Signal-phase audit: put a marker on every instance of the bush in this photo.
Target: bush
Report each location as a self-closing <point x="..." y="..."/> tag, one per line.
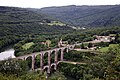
<point x="10" y="66"/>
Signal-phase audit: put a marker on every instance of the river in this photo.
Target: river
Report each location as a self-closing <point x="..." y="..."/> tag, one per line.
<point x="9" y="53"/>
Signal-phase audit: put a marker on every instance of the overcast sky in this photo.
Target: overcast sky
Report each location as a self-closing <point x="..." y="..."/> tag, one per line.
<point x="47" y="3"/>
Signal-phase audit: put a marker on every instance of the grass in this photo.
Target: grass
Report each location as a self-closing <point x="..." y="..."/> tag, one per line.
<point x="112" y="45"/>
<point x="105" y="49"/>
<point x="112" y="35"/>
<point x="85" y="45"/>
<point x="27" y="45"/>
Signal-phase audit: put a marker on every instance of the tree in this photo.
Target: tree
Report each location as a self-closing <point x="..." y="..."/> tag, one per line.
<point x="11" y="66"/>
<point x="57" y="76"/>
<point x="90" y="45"/>
<point x="117" y="38"/>
<point x="113" y="68"/>
<point x="82" y="46"/>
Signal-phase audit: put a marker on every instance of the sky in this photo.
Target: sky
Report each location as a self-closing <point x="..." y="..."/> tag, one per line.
<point x="48" y="3"/>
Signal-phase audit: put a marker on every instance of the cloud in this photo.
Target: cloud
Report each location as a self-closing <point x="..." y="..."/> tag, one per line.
<point x="46" y="3"/>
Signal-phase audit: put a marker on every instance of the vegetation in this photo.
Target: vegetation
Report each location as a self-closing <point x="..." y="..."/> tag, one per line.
<point x="30" y="76"/>
<point x="106" y="49"/>
<point x="27" y="45"/>
<point x="78" y="56"/>
<point x="18" y="23"/>
<point x="86" y="16"/>
<point x="18" y="70"/>
<point x="56" y="23"/>
<point x="101" y="67"/>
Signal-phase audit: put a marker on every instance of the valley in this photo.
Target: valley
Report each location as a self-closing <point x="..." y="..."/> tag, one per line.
<point x="60" y="43"/>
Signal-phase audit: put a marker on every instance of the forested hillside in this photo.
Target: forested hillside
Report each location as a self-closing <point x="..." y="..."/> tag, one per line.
<point x="86" y="16"/>
<point x="18" y="21"/>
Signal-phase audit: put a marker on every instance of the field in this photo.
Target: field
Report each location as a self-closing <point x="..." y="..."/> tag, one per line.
<point x="105" y="49"/>
<point x="27" y="45"/>
<point x="56" y="23"/>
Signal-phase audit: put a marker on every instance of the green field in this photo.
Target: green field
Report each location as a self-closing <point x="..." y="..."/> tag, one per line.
<point x="105" y="49"/>
<point x="112" y="34"/>
<point x="27" y="45"/>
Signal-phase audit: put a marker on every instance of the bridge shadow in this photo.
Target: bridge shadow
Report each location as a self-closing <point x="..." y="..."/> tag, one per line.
<point x="65" y="50"/>
<point x="53" y="68"/>
<point x="45" y="59"/>
<point x="52" y="57"/>
<point x="29" y="62"/>
<point x="46" y="70"/>
<point x="59" y="55"/>
<point x="37" y="61"/>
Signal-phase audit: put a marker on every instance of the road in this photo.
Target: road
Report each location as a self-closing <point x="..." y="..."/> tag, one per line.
<point x="70" y="62"/>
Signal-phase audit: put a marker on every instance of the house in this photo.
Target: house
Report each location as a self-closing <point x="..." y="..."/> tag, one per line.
<point x="102" y="39"/>
<point x="62" y="43"/>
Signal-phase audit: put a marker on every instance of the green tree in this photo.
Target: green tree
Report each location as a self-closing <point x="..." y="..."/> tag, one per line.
<point x="82" y="46"/>
<point x="11" y="66"/>
<point x="90" y="45"/>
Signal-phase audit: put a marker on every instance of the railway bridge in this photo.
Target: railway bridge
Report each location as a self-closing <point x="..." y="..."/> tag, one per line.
<point x="49" y="53"/>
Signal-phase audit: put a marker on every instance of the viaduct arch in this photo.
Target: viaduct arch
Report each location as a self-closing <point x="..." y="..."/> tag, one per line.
<point x="48" y="52"/>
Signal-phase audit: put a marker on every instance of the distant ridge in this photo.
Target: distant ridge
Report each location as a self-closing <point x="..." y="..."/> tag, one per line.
<point x="86" y="15"/>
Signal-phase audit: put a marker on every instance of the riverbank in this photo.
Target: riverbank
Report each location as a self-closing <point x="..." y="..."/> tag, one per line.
<point x="9" y="53"/>
<point x="6" y="48"/>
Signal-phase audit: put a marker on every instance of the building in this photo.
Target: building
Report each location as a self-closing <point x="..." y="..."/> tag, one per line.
<point x="102" y="39"/>
<point x="62" y="43"/>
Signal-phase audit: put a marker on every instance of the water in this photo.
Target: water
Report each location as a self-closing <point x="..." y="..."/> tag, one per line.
<point x="9" y="53"/>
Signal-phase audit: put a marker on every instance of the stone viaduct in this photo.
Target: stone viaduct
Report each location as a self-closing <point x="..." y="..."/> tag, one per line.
<point x="48" y="52"/>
